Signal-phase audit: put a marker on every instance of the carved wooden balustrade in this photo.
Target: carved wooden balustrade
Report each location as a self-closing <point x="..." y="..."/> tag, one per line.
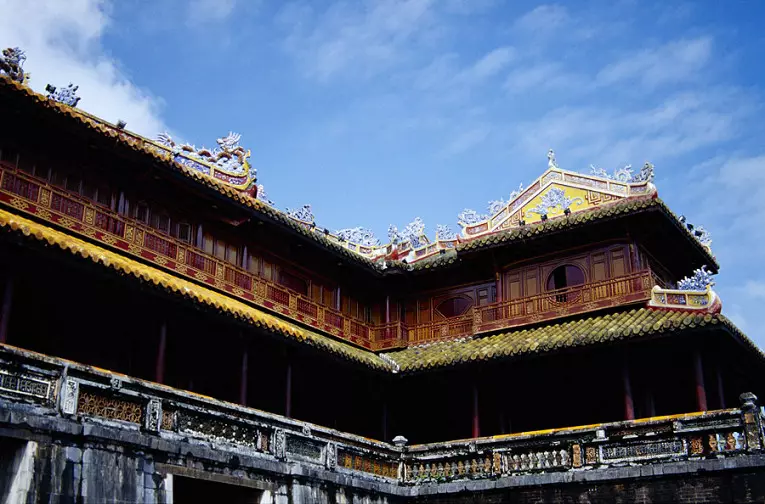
<point x="98" y="223"/>
<point x="50" y="388"/>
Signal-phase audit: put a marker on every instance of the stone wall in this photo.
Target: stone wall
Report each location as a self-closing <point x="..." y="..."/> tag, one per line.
<point x="70" y="433"/>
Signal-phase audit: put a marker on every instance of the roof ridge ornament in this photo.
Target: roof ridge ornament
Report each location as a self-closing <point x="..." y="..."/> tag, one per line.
<point x="445" y="233"/>
<point x="698" y="281"/>
<point x="66" y="95"/>
<point x="11" y="64"/>
<point x="303" y="213"/>
<point x="625" y="174"/>
<point x="551" y="162"/>
<point x="358" y="235"/>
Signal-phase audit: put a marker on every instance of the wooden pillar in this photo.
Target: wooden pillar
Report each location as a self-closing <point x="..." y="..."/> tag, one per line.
<point x="5" y="309"/>
<point x="629" y="405"/>
<point x="387" y="309"/>
<point x="288" y="392"/>
<point x="701" y="392"/>
<point x="385" y="419"/>
<point x="720" y="388"/>
<point x="500" y="296"/>
<point x="476" y="418"/>
<point x="244" y="377"/>
<point x="338" y="300"/>
<point x="159" y="370"/>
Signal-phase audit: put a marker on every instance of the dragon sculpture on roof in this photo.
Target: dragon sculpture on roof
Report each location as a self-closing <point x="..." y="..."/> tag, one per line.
<point x="229" y="156"/>
<point x="11" y="61"/>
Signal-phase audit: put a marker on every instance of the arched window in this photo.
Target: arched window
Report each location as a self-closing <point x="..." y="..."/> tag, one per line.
<point x="564" y="276"/>
<point x="453" y="307"/>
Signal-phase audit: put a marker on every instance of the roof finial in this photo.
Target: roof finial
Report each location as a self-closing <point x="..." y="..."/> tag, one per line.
<point x="551" y="163"/>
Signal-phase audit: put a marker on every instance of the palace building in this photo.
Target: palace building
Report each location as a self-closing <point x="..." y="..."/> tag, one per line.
<point x="167" y="334"/>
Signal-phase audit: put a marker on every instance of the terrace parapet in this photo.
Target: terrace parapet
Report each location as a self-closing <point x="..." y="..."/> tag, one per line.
<point x="87" y="396"/>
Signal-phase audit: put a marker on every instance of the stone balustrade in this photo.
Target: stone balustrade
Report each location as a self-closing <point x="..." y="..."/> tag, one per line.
<point x="86" y="395"/>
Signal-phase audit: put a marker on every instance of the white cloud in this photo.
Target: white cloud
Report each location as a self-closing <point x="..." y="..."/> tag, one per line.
<point x="62" y="43"/>
<point x="209" y="11"/>
<point x="542" y="20"/>
<point x="755" y="289"/>
<point x="671" y="63"/>
<point x="489" y="65"/>
<point x="467" y="140"/>
<point x="364" y="36"/>
<point x="543" y="75"/>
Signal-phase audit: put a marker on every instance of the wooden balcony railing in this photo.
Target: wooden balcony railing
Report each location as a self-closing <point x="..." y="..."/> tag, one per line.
<point x="96" y="222"/>
<point x="567" y="301"/>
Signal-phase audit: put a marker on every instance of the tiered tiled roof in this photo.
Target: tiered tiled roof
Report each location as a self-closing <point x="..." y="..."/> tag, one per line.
<point x="192" y="291"/>
<point x="597" y="329"/>
<point x="556" y="199"/>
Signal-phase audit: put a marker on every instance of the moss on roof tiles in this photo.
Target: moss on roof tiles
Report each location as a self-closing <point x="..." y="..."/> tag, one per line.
<point x="625" y="325"/>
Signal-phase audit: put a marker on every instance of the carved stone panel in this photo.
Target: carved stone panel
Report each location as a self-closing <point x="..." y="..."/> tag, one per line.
<point x="70" y="392"/>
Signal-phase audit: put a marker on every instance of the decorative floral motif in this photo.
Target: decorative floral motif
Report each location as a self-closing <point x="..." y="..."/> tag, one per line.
<point x="444" y="232"/>
<point x="66" y="95"/>
<point x="11" y="62"/>
<point x="699" y="281"/>
<point x="303" y="213"/>
<point x="554" y="199"/>
<point x="359" y="236"/>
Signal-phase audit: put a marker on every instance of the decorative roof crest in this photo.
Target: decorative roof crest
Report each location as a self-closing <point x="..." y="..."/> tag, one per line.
<point x="699" y="281"/>
<point x="303" y="213"/>
<point x="414" y="233"/>
<point x="625" y="174"/>
<point x="444" y="232"/>
<point x="229" y="156"/>
<point x="551" y="162"/>
<point x="701" y="234"/>
<point x="262" y="196"/>
<point x="359" y="236"/>
<point x="469" y="216"/>
<point x="11" y="62"/>
<point x="66" y="95"/>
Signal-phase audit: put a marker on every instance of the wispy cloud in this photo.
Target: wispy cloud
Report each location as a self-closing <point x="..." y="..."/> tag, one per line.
<point x="63" y="43"/>
<point x="542" y="20"/>
<point x="671" y="63"/>
<point x="363" y="36"/>
<point x="209" y="11"/>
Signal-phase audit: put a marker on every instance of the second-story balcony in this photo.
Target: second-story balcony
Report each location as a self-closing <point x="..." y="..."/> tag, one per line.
<point x="98" y="223"/>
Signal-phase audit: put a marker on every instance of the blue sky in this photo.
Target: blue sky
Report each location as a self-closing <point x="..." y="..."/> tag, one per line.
<point x="379" y="111"/>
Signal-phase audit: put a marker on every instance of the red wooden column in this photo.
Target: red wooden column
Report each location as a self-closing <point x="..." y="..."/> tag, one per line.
<point x="244" y="378"/>
<point x="5" y="309"/>
<point x="629" y="405"/>
<point x="500" y="296"/>
<point x="288" y="392"/>
<point x="159" y="369"/>
<point x="387" y="309"/>
<point x="701" y="392"/>
<point x="476" y="418"/>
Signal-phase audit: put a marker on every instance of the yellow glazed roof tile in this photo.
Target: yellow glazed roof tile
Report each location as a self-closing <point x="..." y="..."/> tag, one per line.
<point x="237" y="309"/>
